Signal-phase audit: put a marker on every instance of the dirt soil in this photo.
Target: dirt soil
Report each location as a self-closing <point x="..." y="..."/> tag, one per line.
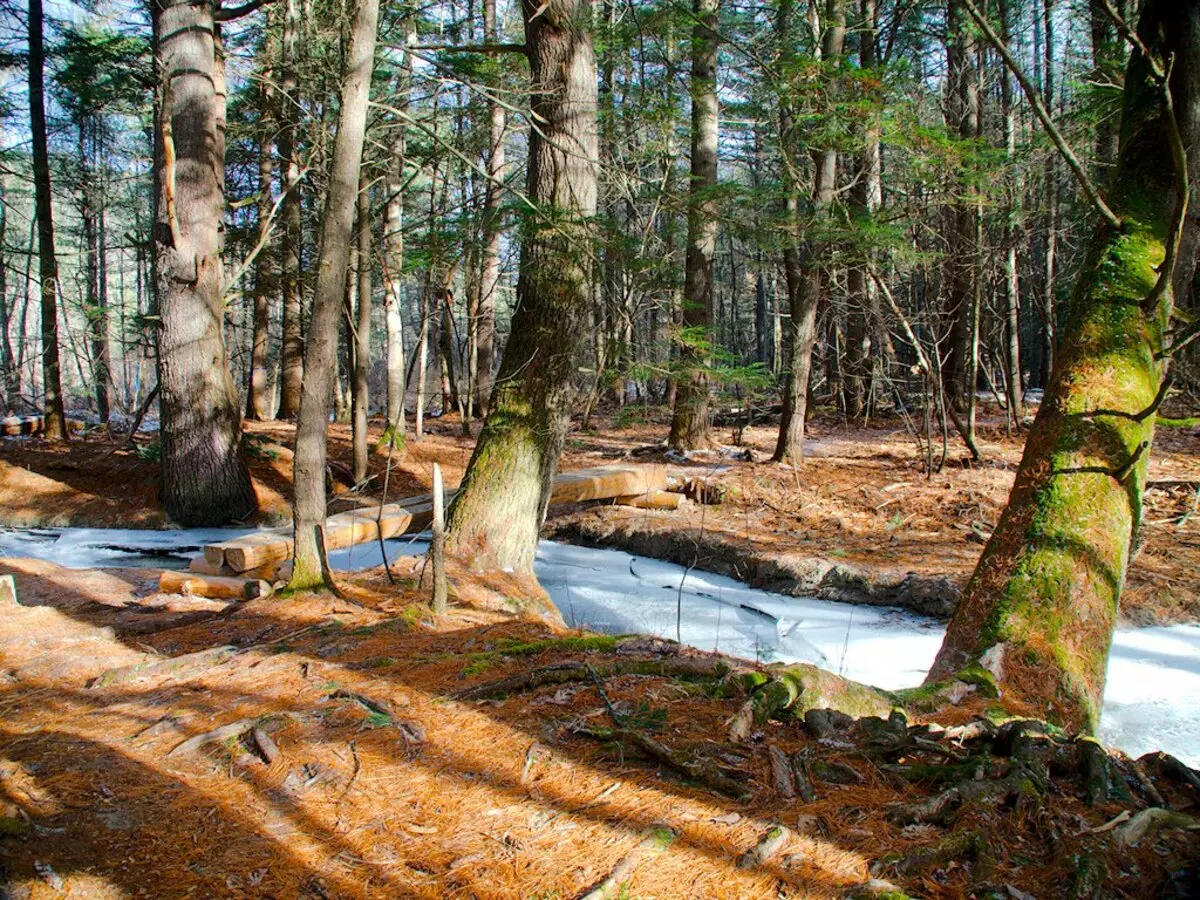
<point x="319" y="747"/>
<point x="859" y="521"/>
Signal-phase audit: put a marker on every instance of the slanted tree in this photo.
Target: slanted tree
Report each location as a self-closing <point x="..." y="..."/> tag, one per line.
<point x="337" y="229"/>
<point x="689" y="423"/>
<point x="204" y="479"/>
<point x="804" y="266"/>
<point x="56" y="418"/>
<point x="498" y="511"/>
<point x="1039" y="610"/>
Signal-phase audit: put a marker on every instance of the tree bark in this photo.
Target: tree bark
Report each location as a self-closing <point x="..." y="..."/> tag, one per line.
<point x="962" y="120"/>
<point x="689" y="424"/>
<point x="258" y="396"/>
<point x="1039" y="610"/>
<point x="866" y="196"/>
<point x="56" y="418"/>
<point x="204" y="480"/>
<point x="489" y="287"/>
<point x="360" y="402"/>
<point x="502" y="503"/>
<point x="393" y="256"/>
<point x="803" y="266"/>
<point x="1012" y="281"/>
<point x="291" y="374"/>
<point x="319" y="357"/>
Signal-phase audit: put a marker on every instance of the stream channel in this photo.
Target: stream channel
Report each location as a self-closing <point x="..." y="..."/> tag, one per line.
<point x="1152" y="701"/>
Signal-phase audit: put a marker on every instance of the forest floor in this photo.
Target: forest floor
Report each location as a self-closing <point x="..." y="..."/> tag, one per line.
<point x="853" y="523"/>
<point x="162" y="746"/>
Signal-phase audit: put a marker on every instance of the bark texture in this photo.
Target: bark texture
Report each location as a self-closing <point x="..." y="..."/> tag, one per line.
<point x="803" y="265"/>
<point x="56" y="419"/>
<point x="292" y="359"/>
<point x="1039" y="611"/>
<point x="502" y="503"/>
<point x="258" y="397"/>
<point x="320" y="355"/>
<point x="204" y="480"/>
<point x="689" y="424"/>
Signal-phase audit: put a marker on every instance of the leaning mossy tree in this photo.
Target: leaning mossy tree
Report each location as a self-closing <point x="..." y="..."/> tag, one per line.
<point x="1039" y="610"/>
<point x="500" y="508"/>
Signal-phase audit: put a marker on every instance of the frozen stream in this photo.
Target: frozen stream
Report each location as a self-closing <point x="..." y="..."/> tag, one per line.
<point x="1152" y="701"/>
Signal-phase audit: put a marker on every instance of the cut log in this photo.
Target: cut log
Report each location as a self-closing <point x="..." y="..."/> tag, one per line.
<point x="15" y="426"/>
<point x="200" y="565"/>
<point x="605" y="482"/>
<point x="213" y="586"/>
<point x="655" y="500"/>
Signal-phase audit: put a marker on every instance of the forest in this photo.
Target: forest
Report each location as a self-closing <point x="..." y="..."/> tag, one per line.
<point x="662" y="448"/>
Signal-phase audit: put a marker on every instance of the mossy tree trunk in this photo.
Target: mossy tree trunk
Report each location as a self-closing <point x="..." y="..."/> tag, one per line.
<point x="500" y="508"/>
<point x="1039" y="611"/>
<point x="689" y="423"/>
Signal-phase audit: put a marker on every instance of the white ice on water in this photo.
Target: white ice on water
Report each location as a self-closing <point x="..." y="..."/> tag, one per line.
<point x="1152" y="701"/>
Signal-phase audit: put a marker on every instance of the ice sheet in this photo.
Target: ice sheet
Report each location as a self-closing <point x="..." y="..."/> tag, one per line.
<point x="1152" y="700"/>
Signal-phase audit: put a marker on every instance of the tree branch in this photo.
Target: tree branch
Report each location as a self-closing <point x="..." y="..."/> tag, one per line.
<point x="228" y="15"/>
<point x="1039" y="110"/>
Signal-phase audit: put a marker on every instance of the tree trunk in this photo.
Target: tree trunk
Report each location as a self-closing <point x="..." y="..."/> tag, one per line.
<point x="962" y="120"/>
<point x="393" y="257"/>
<point x="689" y="424"/>
<point x="56" y="418"/>
<point x="485" y="327"/>
<point x="291" y="374"/>
<point x="10" y="373"/>
<point x="1039" y="611"/>
<point x="360" y="402"/>
<point x="258" y="396"/>
<point x="204" y="480"/>
<point x="866" y="196"/>
<point x="803" y="265"/>
<point x="319" y="356"/>
<point x="502" y="503"/>
<point x="1012" y="281"/>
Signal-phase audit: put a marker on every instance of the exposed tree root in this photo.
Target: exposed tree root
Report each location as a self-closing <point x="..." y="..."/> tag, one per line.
<point x="174" y="666"/>
<point x="687" y="668"/>
<point x="704" y="771"/>
<point x="765" y="849"/>
<point x="1150" y="822"/>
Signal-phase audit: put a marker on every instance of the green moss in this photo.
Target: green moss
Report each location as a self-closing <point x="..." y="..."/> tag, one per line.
<point x="1193" y="422"/>
<point x="591" y="643"/>
<point x="378" y="662"/>
<point x="13" y="827"/>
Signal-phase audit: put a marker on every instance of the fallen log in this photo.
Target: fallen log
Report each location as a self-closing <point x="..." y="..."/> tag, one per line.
<point x="414" y="514"/>
<point x="216" y="587"/>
